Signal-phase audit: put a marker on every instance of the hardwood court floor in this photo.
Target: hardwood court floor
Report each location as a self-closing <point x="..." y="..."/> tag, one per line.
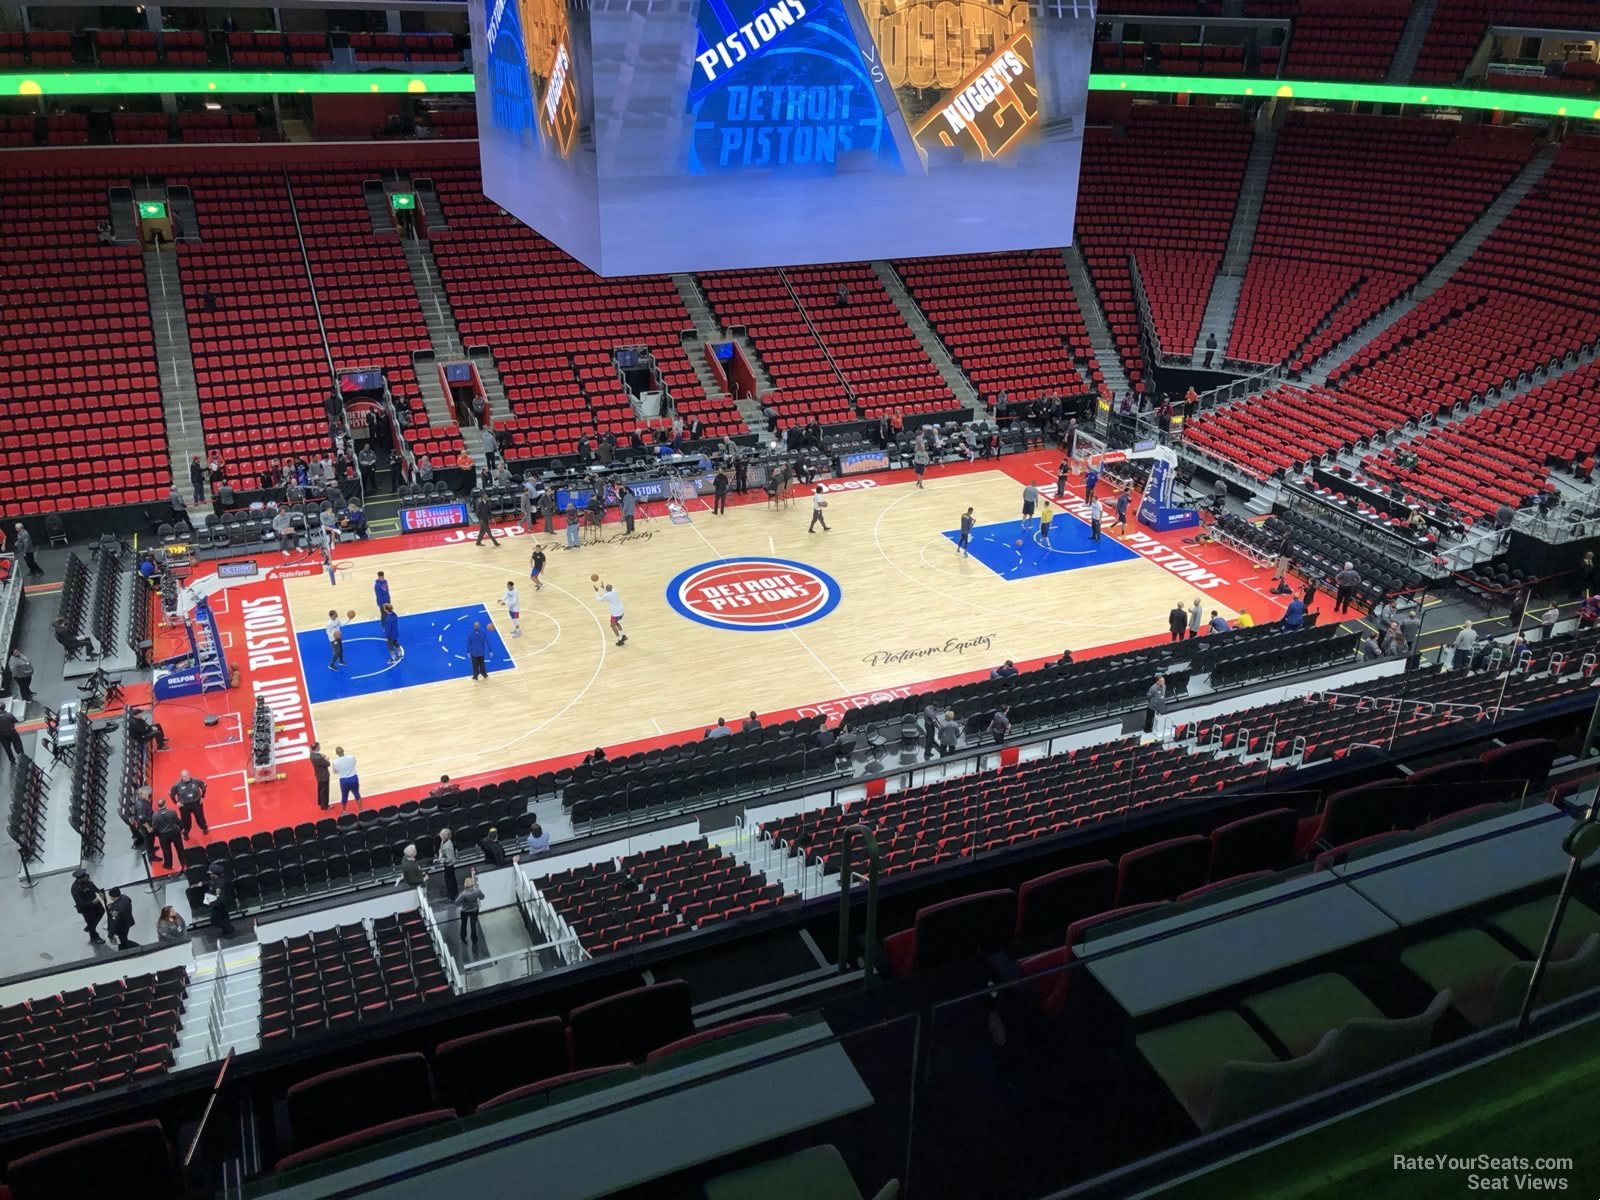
<point x="909" y="610"/>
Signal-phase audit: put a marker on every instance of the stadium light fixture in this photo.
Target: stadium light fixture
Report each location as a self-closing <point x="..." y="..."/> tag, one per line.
<point x="220" y="83"/>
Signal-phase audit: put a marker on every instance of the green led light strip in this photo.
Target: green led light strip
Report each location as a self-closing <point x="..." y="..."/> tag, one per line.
<point x="1583" y="107"/>
<point x="219" y="83"/>
<point x="224" y="83"/>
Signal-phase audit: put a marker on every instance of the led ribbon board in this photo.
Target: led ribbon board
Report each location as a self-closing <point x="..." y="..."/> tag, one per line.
<point x="262" y="83"/>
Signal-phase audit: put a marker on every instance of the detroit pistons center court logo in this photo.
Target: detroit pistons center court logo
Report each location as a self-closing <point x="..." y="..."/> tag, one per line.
<point x="753" y="594"/>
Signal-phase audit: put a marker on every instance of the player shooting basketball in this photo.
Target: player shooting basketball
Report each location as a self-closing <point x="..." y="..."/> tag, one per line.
<point x="606" y="594"/>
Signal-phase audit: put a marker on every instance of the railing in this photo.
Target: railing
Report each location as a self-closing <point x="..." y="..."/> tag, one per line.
<point x="436" y="936"/>
<point x="216" y="1016"/>
<point x="488" y="972"/>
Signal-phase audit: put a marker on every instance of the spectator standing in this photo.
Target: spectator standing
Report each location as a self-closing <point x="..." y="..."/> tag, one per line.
<point x="628" y="503"/>
<point x="930" y="729"/>
<point x="1062" y="471"/>
<point x="168" y="829"/>
<point x="1000" y="723"/>
<point x="1155" y="703"/>
<point x="189" y="794"/>
<point x="197" y="479"/>
<point x="22" y="547"/>
<point x="468" y="901"/>
<point x="1369" y="648"/>
<point x="485" y="510"/>
<point x="344" y="766"/>
<point x="1461" y="647"/>
<point x="446" y="857"/>
<point x="572" y="517"/>
<point x="719" y="492"/>
<point x="920" y="459"/>
<point x="1281" y="567"/>
<point x="1547" y="623"/>
<point x="949" y="733"/>
<point x="1095" y="514"/>
<point x="1177" y="621"/>
<point x="319" y="772"/>
<point x="1345" y="583"/>
<point x="1124" y="499"/>
<point x="86" y="899"/>
<point x="1195" y="619"/>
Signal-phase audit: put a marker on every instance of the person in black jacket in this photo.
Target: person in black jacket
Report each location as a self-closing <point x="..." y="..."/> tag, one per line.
<point x="220" y="890"/>
<point x="1178" y="621"/>
<point x="319" y="771"/>
<point x="86" y="899"/>
<point x="494" y="854"/>
<point x="485" y="510"/>
<point x="167" y="827"/>
<point x="119" y="919"/>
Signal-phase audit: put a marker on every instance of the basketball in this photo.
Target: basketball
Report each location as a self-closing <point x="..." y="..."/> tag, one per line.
<point x="594" y="579"/>
<point x="824" y="504"/>
<point x="351" y="614"/>
<point x="489" y="628"/>
<point x="1019" y="543"/>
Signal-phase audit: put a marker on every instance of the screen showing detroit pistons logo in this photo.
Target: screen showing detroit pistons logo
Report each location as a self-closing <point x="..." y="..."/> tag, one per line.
<point x="804" y="104"/>
<point x="753" y="594"/>
<point x="722" y="134"/>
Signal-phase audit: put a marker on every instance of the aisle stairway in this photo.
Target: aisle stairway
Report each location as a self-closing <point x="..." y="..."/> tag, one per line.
<point x="1094" y="322"/>
<point x="180" y="396"/>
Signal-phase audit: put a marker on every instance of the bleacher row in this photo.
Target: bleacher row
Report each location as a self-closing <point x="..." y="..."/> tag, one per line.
<point x="89" y="1039"/>
<point x="616" y="905"/>
<point x="333" y="979"/>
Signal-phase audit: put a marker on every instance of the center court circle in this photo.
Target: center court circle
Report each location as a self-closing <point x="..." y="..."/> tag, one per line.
<point x="753" y="594"/>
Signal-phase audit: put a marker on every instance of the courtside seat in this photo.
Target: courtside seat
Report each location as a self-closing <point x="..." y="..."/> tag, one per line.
<point x="1049" y="904"/>
<point x="469" y="1070"/>
<point x="1162" y="871"/>
<point x="351" y="1099"/>
<point x="131" y="1161"/>
<point x="953" y="930"/>
<point x="627" y="1026"/>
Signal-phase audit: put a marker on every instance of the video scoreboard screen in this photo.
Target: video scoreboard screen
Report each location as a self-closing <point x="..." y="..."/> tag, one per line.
<point x="644" y="137"/>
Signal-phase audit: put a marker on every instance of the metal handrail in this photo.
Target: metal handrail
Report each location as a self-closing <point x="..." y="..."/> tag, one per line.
<point x="846" y="875"/>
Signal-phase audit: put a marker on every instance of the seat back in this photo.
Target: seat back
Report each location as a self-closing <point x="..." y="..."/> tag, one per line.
<point x="1048" y="904"/>
<point x="627" y="1026"/>
<point x="1364" y="1044"/>
<point x="1529" y="759"/>
<point x="955" y="929"/>
<point x="1564" y="977"/>
<point x="1246" y="1089"/>
<point x="1360" y="812"/>
<point x="354" y="1098"/>
<point x="1163" y="871"/>
<point x="1263" y="842"/>
<point x="469" y="1070"/>
<point x="126" y="1161"/>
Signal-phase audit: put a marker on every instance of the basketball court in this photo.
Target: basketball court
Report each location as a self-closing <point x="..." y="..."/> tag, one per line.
<point x="724" y="615"/>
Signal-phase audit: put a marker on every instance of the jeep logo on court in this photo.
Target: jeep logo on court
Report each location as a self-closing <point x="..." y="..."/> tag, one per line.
<point x="753" y="593"/>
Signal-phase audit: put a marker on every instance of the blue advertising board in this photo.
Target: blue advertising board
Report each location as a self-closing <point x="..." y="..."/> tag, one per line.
<point x="432" y="516"/>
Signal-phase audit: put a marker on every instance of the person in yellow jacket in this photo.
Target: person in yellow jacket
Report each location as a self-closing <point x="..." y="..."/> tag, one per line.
<point x="1245" y="620"/>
